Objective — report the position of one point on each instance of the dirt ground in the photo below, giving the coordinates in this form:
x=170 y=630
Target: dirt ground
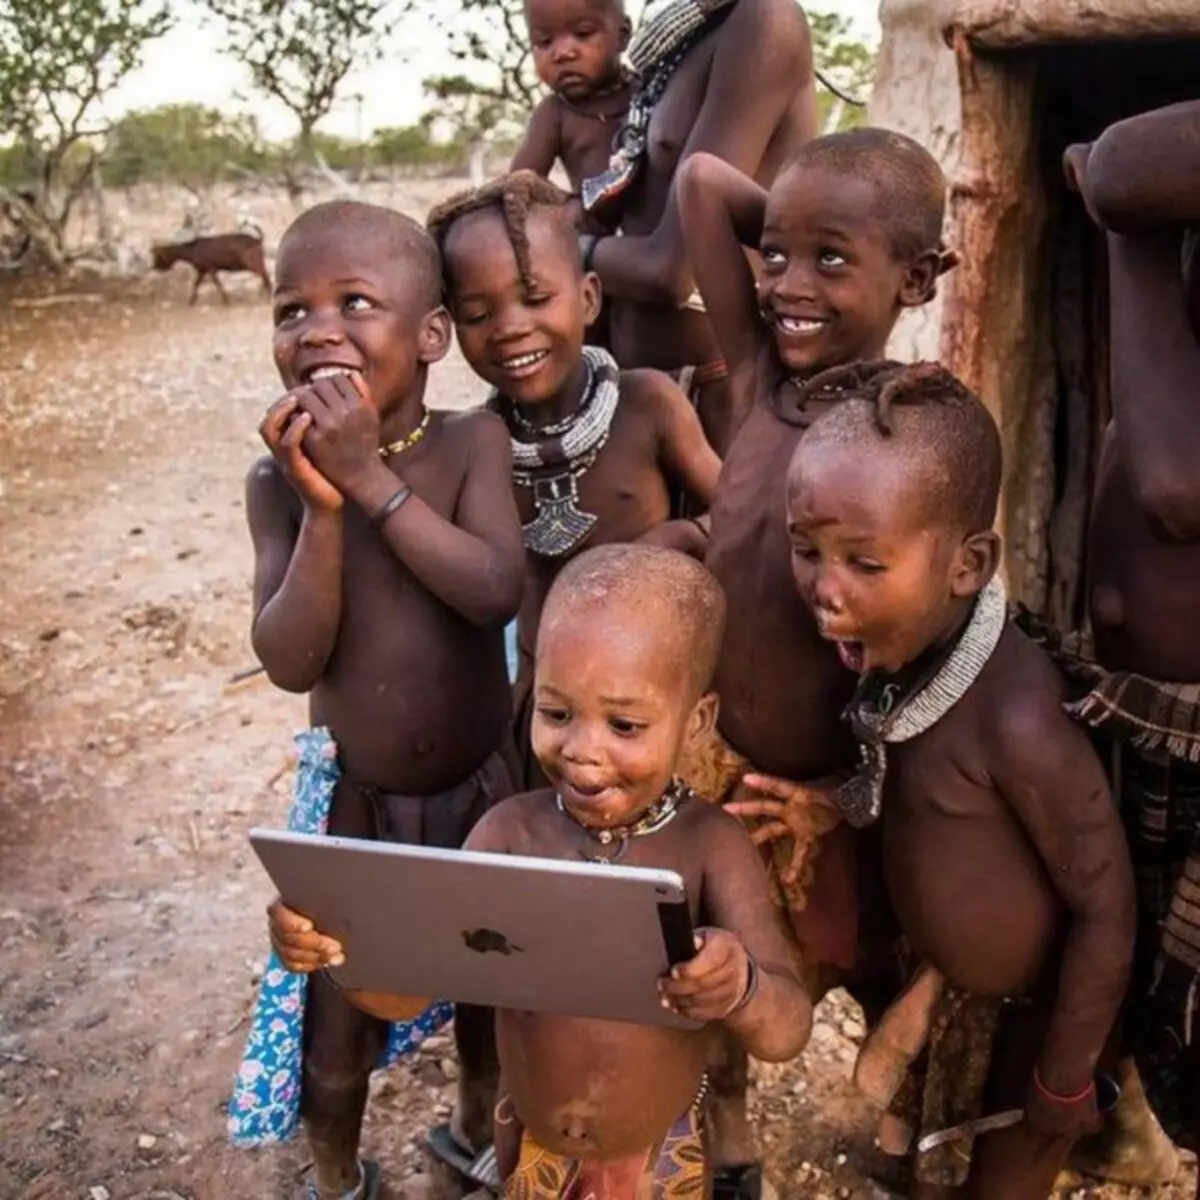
x=131 y=768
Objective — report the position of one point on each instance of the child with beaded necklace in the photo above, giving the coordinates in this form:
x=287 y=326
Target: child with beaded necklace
x=597 y=451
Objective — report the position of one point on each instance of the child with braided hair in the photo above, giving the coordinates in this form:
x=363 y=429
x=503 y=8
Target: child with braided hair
x=971 y=770
x=597 y=451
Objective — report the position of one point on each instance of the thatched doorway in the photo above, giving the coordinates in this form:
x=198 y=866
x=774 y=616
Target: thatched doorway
x=1025 y=318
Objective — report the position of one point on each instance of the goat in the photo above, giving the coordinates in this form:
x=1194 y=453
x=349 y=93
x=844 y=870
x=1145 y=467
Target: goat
x=208 y=255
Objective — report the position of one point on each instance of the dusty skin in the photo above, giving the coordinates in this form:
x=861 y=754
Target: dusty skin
x=131 y=910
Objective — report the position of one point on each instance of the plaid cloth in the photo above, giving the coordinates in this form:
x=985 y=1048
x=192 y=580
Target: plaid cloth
x=1154 y=730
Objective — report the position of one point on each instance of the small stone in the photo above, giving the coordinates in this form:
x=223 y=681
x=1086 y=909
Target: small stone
x=840 y=1160
x=99 y=1193
x=853 y=1029
x=56 y=1126
x=449 y=1069
x=146 y=1141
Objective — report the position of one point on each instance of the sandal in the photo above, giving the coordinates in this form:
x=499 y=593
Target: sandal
x=480 y=1168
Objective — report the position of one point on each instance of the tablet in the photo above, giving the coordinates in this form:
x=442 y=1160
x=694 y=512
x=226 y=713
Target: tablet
x=508 y=931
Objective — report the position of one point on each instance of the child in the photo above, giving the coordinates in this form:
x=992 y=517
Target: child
x=850 y=235
x=597 y=450
x=387 y=560
x=595 y=1108
x=974 y=773
x=732 y=79
x=1141 y=183
x=577 y=48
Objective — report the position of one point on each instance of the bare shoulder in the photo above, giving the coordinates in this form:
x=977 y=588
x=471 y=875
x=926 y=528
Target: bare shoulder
x=717 y=839
x=475 y=432
x=503 y=829
x=267 y=489
x=1023 y=693
x=652 y=390
x=783 y=21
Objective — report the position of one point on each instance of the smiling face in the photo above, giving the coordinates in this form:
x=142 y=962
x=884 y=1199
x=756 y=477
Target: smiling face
x=830 y=287
x=874 y=553
x=347 y=303
x=577 y=44
x=614 y=706
x=527 y=343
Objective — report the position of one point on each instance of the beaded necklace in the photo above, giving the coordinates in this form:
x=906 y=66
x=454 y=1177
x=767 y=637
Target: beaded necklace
x=660 y=814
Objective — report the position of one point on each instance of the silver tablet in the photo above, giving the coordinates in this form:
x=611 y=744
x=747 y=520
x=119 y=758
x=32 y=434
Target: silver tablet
x=534 y=934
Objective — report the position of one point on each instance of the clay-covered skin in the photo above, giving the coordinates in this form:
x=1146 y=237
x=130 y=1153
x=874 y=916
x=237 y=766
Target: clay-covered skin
x=609 y=1089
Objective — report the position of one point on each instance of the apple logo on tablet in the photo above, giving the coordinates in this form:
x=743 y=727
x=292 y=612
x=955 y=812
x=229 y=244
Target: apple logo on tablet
x=488 y=941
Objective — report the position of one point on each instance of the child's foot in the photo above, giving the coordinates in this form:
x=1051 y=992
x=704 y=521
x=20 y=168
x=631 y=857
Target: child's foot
x=1132 y=1148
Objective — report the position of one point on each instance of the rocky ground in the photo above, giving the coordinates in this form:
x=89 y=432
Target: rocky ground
x=132 y=765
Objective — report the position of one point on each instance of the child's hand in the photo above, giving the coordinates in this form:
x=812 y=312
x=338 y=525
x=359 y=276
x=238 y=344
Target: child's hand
x=711 y=985
x=300 y=947
x=788 y=809
x=1061 y=1117
x=343 y=438
x=283 y=430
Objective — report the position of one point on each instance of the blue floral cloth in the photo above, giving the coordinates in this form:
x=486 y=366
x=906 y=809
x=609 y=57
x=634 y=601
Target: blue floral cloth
x=265 y=1107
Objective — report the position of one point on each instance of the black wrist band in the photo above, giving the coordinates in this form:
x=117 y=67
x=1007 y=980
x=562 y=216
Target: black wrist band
x=396 y=502
x=587 y=249
x=751 y=987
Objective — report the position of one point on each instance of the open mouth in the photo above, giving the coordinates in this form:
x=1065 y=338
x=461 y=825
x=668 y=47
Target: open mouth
x=521 y=366
x=852 y=653
x=312 y=374
x=799 y=326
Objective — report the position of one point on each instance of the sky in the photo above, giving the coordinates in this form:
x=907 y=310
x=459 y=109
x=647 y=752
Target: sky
x=187 y=65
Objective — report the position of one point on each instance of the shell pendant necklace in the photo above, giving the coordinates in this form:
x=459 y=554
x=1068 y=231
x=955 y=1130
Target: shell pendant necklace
x=659 y=815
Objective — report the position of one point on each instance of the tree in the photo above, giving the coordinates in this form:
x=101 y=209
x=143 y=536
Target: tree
x=847 y=63
x=59 y=59
x=493 y=93
x=184 y=143
x=300 y=51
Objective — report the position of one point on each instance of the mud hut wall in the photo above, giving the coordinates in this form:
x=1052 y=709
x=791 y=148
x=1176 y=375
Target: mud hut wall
x=996 y=332
x=916 y=93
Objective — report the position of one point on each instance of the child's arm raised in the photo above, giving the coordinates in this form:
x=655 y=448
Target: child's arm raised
x=762 y=60
x=1048 y=773
x=475 y=563
x=297 y=572
x=722 y=211
x=538 y=150
x=1144 y=172
x=744 y=974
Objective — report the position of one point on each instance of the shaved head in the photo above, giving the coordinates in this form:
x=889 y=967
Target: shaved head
x=661 y=590
x=386 y=238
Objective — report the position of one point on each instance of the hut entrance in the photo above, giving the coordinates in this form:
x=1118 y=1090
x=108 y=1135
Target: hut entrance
x=1026 y=320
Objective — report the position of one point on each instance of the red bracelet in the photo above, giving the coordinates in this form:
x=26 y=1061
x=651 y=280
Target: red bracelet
x=1054 y=1097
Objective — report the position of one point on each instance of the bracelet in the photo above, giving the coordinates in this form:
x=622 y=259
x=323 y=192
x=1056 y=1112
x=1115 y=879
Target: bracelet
x=391 y=507
x=751 y=987
x=696 y=521
x=587 y=249
x=1054 y=1097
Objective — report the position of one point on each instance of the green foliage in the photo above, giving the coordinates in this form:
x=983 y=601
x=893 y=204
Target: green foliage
x=184 y=143
x=846 y=62
x=300 y=51
x=59 y=59
x=496 y=87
